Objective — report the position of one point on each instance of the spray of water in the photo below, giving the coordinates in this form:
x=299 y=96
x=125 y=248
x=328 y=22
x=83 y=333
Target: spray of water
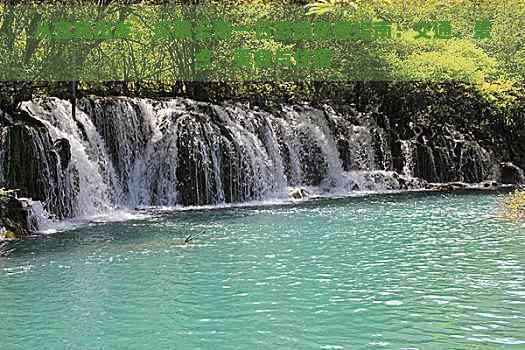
x=129 y=153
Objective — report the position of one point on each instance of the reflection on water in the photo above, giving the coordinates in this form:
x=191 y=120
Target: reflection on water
x=407 y=271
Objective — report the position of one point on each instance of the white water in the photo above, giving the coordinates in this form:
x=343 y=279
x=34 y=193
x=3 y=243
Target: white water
x=96 y=174
x=408 y=155
x=126 y=153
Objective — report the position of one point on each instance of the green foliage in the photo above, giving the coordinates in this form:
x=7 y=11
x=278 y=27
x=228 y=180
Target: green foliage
x=467 y=59
x=514 y=205
x=326 y=6
x=501 y=94
x=437 y=60
x=5 y=194
x=9 y=235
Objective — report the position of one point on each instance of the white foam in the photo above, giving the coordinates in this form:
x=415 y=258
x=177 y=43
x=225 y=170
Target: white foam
x=53 y=226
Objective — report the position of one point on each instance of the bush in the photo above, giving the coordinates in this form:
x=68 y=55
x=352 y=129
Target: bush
x=514 y=205
x=438 y=60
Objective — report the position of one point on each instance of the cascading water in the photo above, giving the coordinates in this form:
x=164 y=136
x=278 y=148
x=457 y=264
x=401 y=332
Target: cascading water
x=318 y=152
x=407 y=150
x=3 y=150
x=129 y=152
x=90 y=167
x=289 y=152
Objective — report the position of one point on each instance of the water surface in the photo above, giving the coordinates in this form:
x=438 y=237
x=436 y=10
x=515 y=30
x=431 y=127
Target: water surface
x=408 y=271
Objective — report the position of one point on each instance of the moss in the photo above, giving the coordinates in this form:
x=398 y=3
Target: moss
x=5 y=194
x=10 y=235
x=514 y=205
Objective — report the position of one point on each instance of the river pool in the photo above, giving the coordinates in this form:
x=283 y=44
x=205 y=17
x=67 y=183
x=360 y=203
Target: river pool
x=405 y=271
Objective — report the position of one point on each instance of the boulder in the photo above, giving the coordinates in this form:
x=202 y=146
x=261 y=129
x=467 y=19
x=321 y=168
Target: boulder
x=489 y=184
x=411 y=183
x=63 y=149
x=16 y=218
x=450 y=186
x=297 y=193
x=511 y=174
x=33 y=163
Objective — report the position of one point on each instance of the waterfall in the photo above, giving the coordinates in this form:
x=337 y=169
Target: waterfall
x=131 y=152
x=289 y=152
x=3 y=151
x=319 y=154
x=407 y=151
x=90 y=168
x=382 y=152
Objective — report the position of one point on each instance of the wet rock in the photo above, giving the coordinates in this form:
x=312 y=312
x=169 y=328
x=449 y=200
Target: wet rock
x=475 y=163
x=442 y=187
x=412 y=183
x=511 y=174
x=63 y=149
x=443 y=154
x=31 y=164
x=425 y=166
x=450 y=186
x=458 y=185
x=298 y=193
x=408 y=183
x=489 y=184
x=16 y=218
x=22 y=117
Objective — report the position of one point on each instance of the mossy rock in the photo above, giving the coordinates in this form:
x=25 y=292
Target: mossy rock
x=10 y=235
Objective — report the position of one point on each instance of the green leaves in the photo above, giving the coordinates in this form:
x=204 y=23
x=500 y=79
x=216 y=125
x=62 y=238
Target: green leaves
x=141 y=55
x=514 y=205
x=438 y=60
x=325 y=6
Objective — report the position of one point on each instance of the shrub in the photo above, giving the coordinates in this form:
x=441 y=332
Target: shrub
x=514 y=205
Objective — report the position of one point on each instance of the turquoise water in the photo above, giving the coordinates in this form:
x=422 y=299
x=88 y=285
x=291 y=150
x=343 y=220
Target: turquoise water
x=390 y=272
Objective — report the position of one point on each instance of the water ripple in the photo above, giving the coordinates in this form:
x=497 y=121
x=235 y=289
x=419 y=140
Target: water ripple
x=409 y=272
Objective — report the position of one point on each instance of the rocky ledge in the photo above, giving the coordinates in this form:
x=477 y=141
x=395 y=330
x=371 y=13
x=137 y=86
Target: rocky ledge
x=18 y=217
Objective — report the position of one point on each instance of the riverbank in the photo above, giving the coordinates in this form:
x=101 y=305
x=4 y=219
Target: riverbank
x=310 y=196
x=18 y=217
